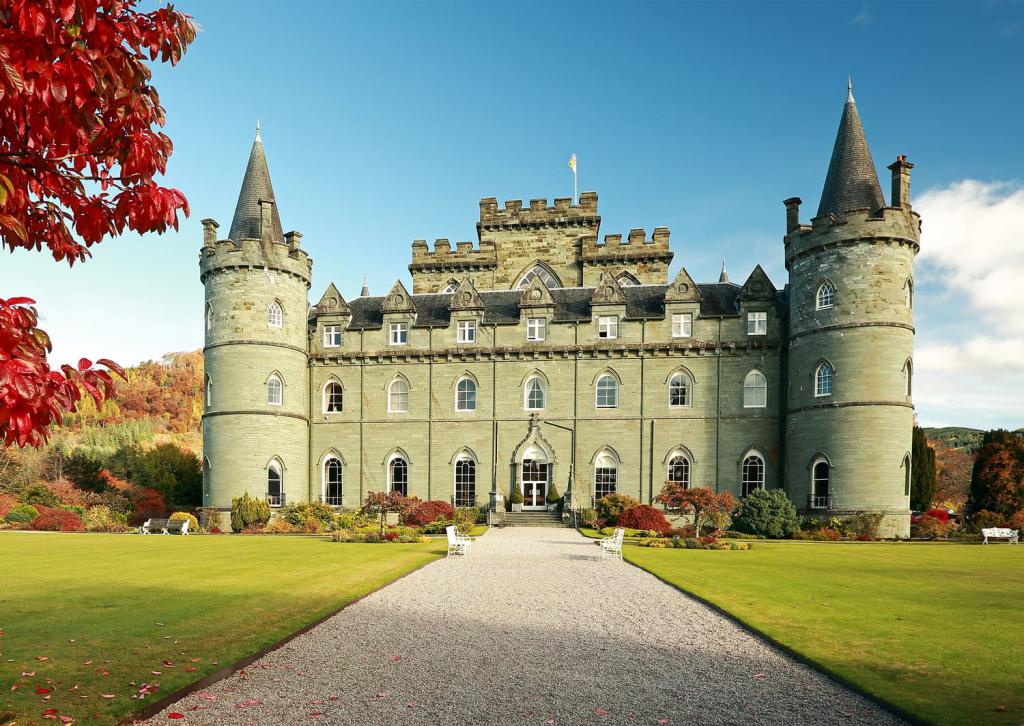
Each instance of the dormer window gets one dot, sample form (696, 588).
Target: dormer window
(467, 331)
(682, 325)
(399, 334)
(332, 336)
(536, 329)
(757, 323)
(608, 327)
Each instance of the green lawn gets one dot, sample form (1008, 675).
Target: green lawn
(935, 629)
(90, 614)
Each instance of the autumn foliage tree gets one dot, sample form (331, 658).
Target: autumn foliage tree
(997, 482)
(78, 157)
(378, 504)
(922, 472)
(705, 505)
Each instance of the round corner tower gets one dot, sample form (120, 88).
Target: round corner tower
(256, 421)
(850, 413)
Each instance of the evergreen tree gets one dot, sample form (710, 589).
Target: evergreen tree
(922, 468)
(997, 481)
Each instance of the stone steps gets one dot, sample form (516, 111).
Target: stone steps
(533, 519)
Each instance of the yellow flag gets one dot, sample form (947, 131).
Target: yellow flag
(572, 163)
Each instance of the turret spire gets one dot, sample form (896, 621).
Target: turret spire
(851, 182)
(365, 292)
(849, 93)
(724, 275)
(256, 187)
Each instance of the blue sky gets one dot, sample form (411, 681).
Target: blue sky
(386, 122)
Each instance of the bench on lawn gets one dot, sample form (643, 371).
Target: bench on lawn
(612, 545)
(999, 533)
(164, 526)
(457, 544)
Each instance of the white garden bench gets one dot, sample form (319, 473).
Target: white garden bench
(999, 533)
(164, 526)
(458, 544)
(612, 545)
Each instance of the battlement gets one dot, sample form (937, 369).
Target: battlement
(636, 246)
(465, 255)
(538, 214)
(888, 224)
(286, 257)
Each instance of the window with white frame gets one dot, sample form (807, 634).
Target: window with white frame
(608, 327)
(536, 329)
(826, 296)
(542, 273)
(275, 390)
(682, 325)
(399, 333)
(679, 390)
(467, 331)
(334, 397)
(332, 482)
(679, 470)
(606, 475)
(398, 396)
(332, 336)
(465, 481)
(534, 394)
(627, 279)
(757, 323)
(607, 391)
(823, 375)
(275, 489)
(465, 395)
(752, 474)
(820, 475)
(398, 475)
(209, 392)
(275, 315)
(755, 390)
(451, 287)
(908, 293)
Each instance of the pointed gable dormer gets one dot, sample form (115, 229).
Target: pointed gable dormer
(608, 292)
(399, 300)
(536, 295)
(758, 287)
(332, 303)
(683, 289)
(851, 182)
(466, 298)
(256, 188)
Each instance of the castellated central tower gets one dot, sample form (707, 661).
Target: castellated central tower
(256, 422)
(849, 411)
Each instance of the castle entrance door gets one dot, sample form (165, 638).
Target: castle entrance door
(535, 484)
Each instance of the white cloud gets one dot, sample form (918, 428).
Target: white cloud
(863, 18)
(977, 354)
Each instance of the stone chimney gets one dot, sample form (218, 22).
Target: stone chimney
(293, 239)
(900, 182)
(209, 232)
(792, 213)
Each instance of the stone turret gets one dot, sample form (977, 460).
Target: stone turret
(255, 426)
(851, 339)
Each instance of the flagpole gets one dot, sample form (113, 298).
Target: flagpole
(575, 194)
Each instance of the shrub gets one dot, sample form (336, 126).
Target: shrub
(312, 525)
(193, 523)
(691, 543)
(611, 506)
(655, 542)
(103, 519)
(767, 512)
(553, 497)
(589, 517)
(940, 514)
(58, 520)
(39, 494)
(438, 526)
(341, 535)
(829, 534)
(866, 526)
(426, 512)
(280, 525)
(465, 518)
(706, 506)
(248, 513)
(70, 495)
(931, 527)
(298, 513)
(984, 519)
(1016, 521)
(7, 503)
(517, 495)
(644, 516)
(344, 520)
(255, 528)
(22, 514)
(373, 537)
(209, 517)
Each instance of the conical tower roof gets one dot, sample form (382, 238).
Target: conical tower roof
(851, 182)
(256, 185)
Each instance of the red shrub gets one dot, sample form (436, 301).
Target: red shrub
(1016, 521)
(58, 520)
(940, 514)
(70, 495)
(427, 512)
(644, 516)
(215, 530)
(390, 536)
(7, 503)
(830, 534)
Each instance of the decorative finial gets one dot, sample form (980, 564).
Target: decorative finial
(724, 276)
(365, 292)
(258, 131)
(849, 89)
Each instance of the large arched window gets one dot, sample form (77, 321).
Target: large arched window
(275, 315)
(465, 481)
(906, 475)
(209, 391)
(398, 396)
(275, 483)
(535, 394)
(679, 390)
(823, 379)
(826, 295)
(332, 481)
(275, 390)
(752, 474)
(465, 395)
(908, 293)
(755, 390)
(908, 377)
(821, 474)
(606, 474)
(679, 469)
(539, 272)
(209, 318)
(334, 397)
(398, 475)
(627, 279)
(607, 391)
(451, 287)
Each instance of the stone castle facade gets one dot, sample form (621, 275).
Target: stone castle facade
(541, 357)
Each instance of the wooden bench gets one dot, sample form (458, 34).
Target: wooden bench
(999, 533)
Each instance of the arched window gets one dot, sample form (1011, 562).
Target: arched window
(465, 395)
(607, 392)
(451, 287)
(275, 489)
(539, 272)
(465, 481)
(209, 317)
(752, 474)
(826, 296)
(823, 379)
(535, 394)
(606, 474)
(398, 396)
(908, 377)
(627, 279)
(209, 392)
(821, 473)
(908, 293)
(755, 390)
(679, 470)
(332, 481)
(679, 390)
(207, 474)
(398, 475)
(275, 315)
(906, 475)
(275, 390)
(334, 397)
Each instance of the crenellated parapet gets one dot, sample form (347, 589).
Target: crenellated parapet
(888, 225)
(563, 213)
(442, 258)
(222, 255)
(636, 246)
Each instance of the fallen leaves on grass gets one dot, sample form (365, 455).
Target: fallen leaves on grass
(42, 657)
(249, 703)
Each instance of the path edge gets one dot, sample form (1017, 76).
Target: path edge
(206, 681)
(795, 655)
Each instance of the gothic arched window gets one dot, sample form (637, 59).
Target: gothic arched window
(826, 296)
(679, 390)
(334, 397)
(755, 390)
(465, 395)
(534, 394)
(606, 474)
(823, 379)
(275, 390)
(465, 481)
(275, 488)
(679, 470)
(539, 272)
(275, 315)
(752, 474)
(398, 396)
(607, 391)
(332, 481)
(398, 475)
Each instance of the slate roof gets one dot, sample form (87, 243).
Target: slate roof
(247, 222)
(851, 182)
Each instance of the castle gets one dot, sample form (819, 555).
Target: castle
(542, 358)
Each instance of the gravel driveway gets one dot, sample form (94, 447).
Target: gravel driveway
(532, 628)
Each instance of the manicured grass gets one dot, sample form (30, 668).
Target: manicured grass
(106, 611)
(933, 628)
